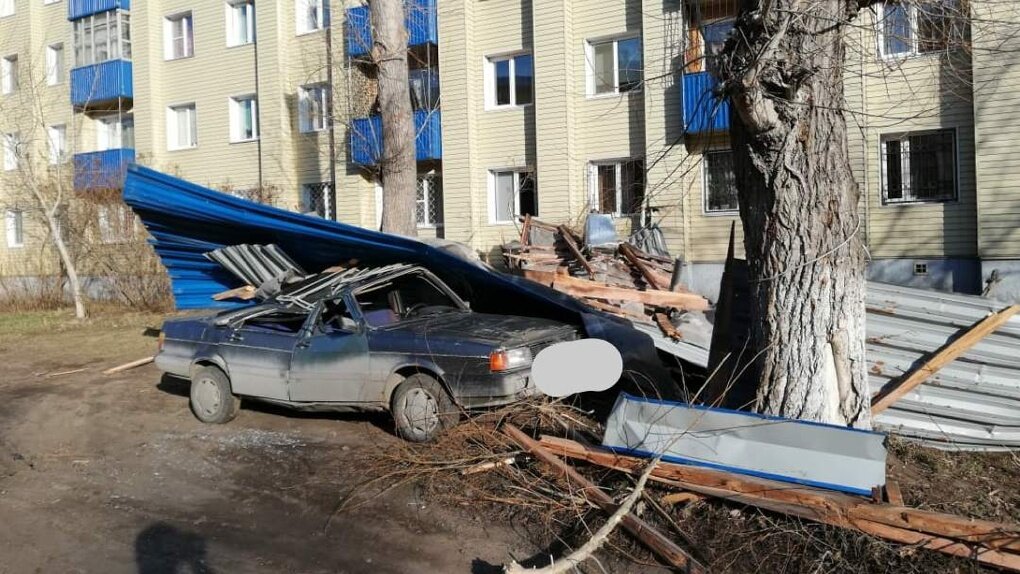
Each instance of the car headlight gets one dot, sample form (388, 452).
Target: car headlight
(505, 360)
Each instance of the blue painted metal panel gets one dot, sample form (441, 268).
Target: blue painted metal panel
(420, 19)
(77, 9)
(102, 169)
(366, 138)
(102, 83)
(702, 111)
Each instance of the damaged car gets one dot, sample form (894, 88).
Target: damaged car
(393, 338)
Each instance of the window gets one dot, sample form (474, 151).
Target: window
(240, 19)
(617, 187)
(920, 269)
(57, 136)
(312, 107)
(244, 118)
(429, 204)
(179, 36)
(715, 34)
(9, 75)
(424, 84)
(15, 224)
(614, 66)
(115, 132)
(12, 145)
(510, 81)
(405, 297)
(918, 28)
(181, 127)
(316, 198)
(54, 64)
(513, 194)
(720, 182)
(117, 223)
(101, 37)
(6, 8)
(919, 166)
(50, 1)
(309, 15)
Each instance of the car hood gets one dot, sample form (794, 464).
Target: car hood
(494, 330)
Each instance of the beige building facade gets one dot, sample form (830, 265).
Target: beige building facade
(555, 108)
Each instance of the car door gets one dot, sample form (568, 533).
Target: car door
(258, 352)
(331, 361)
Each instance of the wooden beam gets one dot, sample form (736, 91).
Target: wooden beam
(667, 328)
(945, 355)
(526, 231)
(131, 365)
(639, 529)
(815, 504)
(628, 252)
(569, 240)
(244, 293)
(584, 288)
(893, 494)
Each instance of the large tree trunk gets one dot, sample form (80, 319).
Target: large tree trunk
(397, 165)
(783, 72)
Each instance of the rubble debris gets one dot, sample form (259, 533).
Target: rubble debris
(787, 450)
(130, 365)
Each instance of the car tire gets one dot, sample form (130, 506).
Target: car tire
(422, 409)
(211, 398)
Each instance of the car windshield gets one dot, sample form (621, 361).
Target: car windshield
(405, 297)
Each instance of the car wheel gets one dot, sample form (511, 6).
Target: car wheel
(211, 399)
(422, 409)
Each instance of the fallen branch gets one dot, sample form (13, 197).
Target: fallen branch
(131, 365)
(486, 466)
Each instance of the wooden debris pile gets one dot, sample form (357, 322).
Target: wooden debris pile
(623, 281)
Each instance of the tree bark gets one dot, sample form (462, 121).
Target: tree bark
(783, 72)
(397, 164)
(70, 268)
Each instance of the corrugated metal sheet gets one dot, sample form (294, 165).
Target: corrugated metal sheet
(702, 111)
(366, 138)
(77, 9)
(256, 264)
(420, 20)
(100, 170)
(97, 85)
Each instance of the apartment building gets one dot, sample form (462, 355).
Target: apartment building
(555, 108)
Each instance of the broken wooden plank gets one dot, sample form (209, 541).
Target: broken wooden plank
(131, 365)
(243, 293)
(639, 529)
(583, 288)
(668, 329)
(945, 355)
(487, 466)
(675, 498)
(569, 240)
(628, 252)
(812, 503)
(893, 494)
(526, 231)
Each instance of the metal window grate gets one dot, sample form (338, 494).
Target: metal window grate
(316, 198)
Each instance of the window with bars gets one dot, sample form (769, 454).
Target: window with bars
(101, 37)
(614, 66)
(316, 198)
(429, 203)
(617, 187)
(907, 29)
(919, 167)
(720, 182)
(512, 193)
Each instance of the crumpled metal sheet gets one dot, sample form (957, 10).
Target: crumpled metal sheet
(256, 265)
(812, 454)
(187, 220)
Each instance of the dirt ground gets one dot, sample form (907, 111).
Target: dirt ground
(113, 474)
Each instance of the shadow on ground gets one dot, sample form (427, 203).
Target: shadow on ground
(165, 549)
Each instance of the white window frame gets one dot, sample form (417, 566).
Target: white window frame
(429, 187)
(9, 74)
(904, 138)
(240, 16)
(7, 8)
(301, 10)
(11, 142)
(589, 58)
(308, 96)
(172, 135)
(118, 37)
(187, 21)
(915, 39)
(593, 184)
(14, 224)
(107, 214)
(237, 119)
(704, 187)
(55, 64)
(47, 2)
(490, 80)
(517, 172)
(56, 136)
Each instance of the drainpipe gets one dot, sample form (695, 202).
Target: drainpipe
(329, 110)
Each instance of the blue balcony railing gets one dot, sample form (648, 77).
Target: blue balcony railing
(77, 9)
(366, 138)
(704, 113)
(420, 19)
(101, 84)
(100, 170)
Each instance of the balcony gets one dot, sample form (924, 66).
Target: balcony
(102, 86)
(77, 9)
(366, 138)
(703, 113)
(101, 170)
(420, 19)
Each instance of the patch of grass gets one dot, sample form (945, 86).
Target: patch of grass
(31, 322)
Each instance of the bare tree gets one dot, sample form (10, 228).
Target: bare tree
(397, 165)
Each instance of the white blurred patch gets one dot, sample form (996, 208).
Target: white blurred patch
(577, 367)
